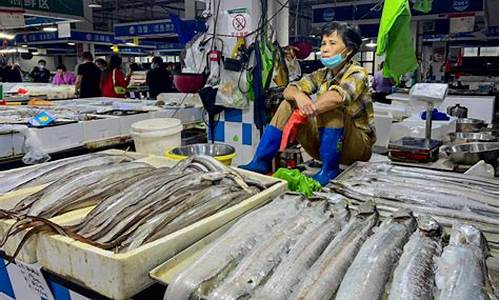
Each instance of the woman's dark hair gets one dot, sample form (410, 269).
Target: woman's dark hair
(114, 62)
(158, 60)
(42, 61)
(87, 56)
(134, 67)
(101, 62)
(61, 67)
(349, 33)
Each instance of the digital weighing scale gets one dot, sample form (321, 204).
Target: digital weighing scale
(421, 150)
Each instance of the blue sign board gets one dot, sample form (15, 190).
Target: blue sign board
(144, 29)
(355, 12)
(36, 21)
(170, 46)
(77, 36)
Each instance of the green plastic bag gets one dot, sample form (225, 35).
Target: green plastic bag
(395, 40)
(298, 182)
(424, 6)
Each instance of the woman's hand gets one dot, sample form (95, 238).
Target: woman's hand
(305, 105)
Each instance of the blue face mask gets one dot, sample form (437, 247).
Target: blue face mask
(332, 62)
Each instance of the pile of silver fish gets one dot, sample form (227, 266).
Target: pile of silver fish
(296, 249)
(54, 171)
(135, 203)
(447, 197)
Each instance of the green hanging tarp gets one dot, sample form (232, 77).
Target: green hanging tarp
(395, 39)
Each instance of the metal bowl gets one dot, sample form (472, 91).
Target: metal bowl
(213, 150)
(471, 153)
(491, 129)
(469, 137)
(469, 125)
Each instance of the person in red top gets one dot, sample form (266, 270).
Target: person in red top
(113, 82)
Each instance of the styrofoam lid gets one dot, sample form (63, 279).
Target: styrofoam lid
(156, 124)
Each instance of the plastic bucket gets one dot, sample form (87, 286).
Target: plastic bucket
(154, 136)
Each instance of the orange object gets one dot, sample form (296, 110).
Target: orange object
(291, 128)
(39, 102)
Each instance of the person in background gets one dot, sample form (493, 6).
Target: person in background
(40, 72)
(294, 70)
(382, 86)
(88, 78)
(172, 69)
(14, 73)
(101, 64)
(158, 78)
(63, 76)
(113, 82)
(4, 71)
(134, 67)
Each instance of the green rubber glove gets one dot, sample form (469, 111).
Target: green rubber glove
(298, 182)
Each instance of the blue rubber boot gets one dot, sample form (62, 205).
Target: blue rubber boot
(329, 150)
(266, 150)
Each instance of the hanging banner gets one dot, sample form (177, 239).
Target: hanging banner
(79, 36)
(144, 29)
(11, 20)
(64, 7)
(368, 12)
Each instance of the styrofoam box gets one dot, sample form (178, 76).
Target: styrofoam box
(122, 275)
(416, 128)
(383, 127)
(58, 138)
(127, 121)
(103, 128)
(18, 143)
(6, 145)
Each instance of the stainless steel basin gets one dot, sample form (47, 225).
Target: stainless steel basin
(469, 137)
(469, 125)
(205, 149)
(471, 153)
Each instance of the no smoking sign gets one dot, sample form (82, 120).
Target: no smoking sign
(239, 22)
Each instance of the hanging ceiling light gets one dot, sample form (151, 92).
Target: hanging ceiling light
(94, 4)
(51, 28)
(371, 44)
(7, 36)
(71, 44)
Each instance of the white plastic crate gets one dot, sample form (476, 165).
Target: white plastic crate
(103, 128)
(62, 137)
(6, 145)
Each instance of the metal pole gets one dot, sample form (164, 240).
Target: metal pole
(428, 123)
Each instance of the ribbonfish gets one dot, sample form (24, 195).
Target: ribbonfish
(324, 277)
(208, 271)
(297, 263)
(413, 278)
(461, 269)
(375, 262)
(260, 263)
